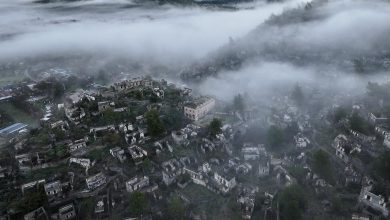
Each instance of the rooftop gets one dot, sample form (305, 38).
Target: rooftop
(12, 128)
(198, 102)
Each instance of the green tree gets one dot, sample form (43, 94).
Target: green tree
(147, 165)
(275, 137)
(61, 151)
(383, 165)
(52, 87)
(112, 138)
(86, 208)
(339, 114)
(337, 205)
(215, 127)
(358, 124)
(59, 134)
(322, 165)
(176, 208)
(41, 138)
(173, 118)
(292, 202)
(109, 116)
(154, 98)
(96, 154)
(155, 126)
(138, 203)
(31, 200)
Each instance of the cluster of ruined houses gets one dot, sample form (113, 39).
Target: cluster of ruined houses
(214, 174)
(347, 147)
(75, 113)
(135, 136)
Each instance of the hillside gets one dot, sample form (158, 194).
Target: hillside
(308, 36)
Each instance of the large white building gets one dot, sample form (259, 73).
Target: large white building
(199, 108)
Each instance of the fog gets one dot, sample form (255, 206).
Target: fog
(262, 80)
(314, 47)
(318, 52)
(161, 34)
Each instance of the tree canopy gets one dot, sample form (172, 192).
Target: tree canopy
(358, 124)
(155, 126)
(173, 118)
(292, 202)
(176, 208)
(275, 137)
(215, 127)
(138, 203)
(322, 165)
(383, 165)
(339, 114)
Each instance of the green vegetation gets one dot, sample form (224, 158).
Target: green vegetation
(97, 154)
(138, 203)
(215, 127)
(57, 152)
(176, 208)
(339, 114)
(112, 139)
(31, 200)
(155, 126)
(52, 87)
(358, 124)
(173, 118)
(147, 165)
(45, 172)
(39, 137)
(298, 172)
(137, 94)
(383, 165)
(86, 207)
(322, 165)
(275, 137)
(337, 205)
(292, 203)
